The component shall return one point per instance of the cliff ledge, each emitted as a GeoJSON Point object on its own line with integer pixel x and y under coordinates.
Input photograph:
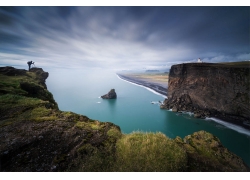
{"type": "Point", "coordinates": [36, 136]}
{"type": "Point", "coordinates": [211, 90]}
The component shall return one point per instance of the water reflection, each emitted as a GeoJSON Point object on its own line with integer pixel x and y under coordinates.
{"type": "Point", "coordinates": [111, 103]}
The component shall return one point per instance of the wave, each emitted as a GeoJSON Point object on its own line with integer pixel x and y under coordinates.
{"type": "Point", "coordinates": [149, 89]}
{"type": "Point", "coordinates": [234, 127]}
{"type": "Point", "coordinates": [230, 126]}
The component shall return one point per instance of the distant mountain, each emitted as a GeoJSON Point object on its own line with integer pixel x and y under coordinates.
{"type": "Point", "coordinates": [152, 70]}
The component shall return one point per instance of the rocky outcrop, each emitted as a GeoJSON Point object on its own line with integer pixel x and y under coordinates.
{"type": "Point", "coordinates": [217, 90]}
{"type": "Point", "coordinates": [206, 153]}
{"type": "Point", "coordinates": [41, 76]}
{"type": "Point", "coordinates": [111, 95]}
{"type": "Point", "coordinates": [37, 136]}
{"type": "Point", "coordinates": [11, 71]}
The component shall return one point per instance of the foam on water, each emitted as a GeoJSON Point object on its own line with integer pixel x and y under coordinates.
{"type": "Point", "coordinates": [234, 127]}
{"type": "Point", "coordinates": [231, 126]}
{"type": "Point", "coordinates": [151, 90]}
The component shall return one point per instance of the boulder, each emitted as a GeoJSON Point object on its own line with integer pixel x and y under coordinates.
{"type": "Point", "coordinates": [111, 95]}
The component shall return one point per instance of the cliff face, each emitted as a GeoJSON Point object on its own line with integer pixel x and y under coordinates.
{"type": "Point", "coordinates": [218, 90]}
{"type": "Point", "coordinates": [36, 136]}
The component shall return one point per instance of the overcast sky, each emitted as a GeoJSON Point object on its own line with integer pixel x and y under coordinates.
{"type": "Point", "coordinates": [122, 37]}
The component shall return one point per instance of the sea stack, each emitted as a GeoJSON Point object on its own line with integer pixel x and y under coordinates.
{"type": "Point", "coordinates": [111, 95]}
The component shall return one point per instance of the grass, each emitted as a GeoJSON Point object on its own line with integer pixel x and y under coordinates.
{"type": "Point", "coordinates": [92, 125]}
{"type": "Point", "coordinates": [135, 152]}
{"type": "Point", "coordinates": [42, 114]}
{"type": "Point", "coordinates": [138, 151]}
{"type": "Point", "coordinates": [237, 64]}
{"type": "Point", "coordinates": [149, 152]}
{"type": "Point", "coordinates": [12, 100]}
{"type": "Point", "coordinates": [11, 84]}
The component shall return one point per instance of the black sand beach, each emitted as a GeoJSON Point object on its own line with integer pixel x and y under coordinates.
{"type": "Point", "coordinates": [156, 86]}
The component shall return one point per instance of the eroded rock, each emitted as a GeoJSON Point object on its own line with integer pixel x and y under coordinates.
{"type": "Point", "coordinates": [210, 89]}
{"type": "Point", "coordinates": [111, 95]}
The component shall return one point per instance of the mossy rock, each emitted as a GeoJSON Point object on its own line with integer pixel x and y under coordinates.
{"type": "Point", "coordinates": [206, 153]}
{"type": "Point", "coordinates": [149, 152]}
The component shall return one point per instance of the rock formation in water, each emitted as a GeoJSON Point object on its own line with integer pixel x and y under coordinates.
{"type": "Point", "coordinates": [211, 90]}
{"type": "Point", "coordinates": [111, 95]}
{"type": "Point", "coordinates": [37, 136]}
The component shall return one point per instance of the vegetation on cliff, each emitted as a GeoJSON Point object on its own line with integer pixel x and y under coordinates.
{"type": "Point", "coordinates": [37, 136]}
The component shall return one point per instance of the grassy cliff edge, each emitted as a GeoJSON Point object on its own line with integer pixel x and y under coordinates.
{"type": "Point", "coordinates": [37, 136]}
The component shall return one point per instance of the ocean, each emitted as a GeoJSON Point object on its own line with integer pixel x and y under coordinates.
{"type": "Point", "coordinates": [136, 108]}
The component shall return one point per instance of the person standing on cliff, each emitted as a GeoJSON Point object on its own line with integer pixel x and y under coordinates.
{"type": "Point", "coordinates": [29, 64]}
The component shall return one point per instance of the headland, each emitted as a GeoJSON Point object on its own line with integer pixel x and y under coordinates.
{"type": "Point", "coordinates": [37, 136]}
{"type": "Point", "coordinates": [220, 90]}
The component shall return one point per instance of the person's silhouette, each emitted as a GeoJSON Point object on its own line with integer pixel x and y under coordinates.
{"type": "Point", "coordinates": [29, 63]}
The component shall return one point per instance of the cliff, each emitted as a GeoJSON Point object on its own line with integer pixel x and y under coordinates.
{"type": "Point", "coordinates": [211, 90]}
{"type": "Point", "coordinates": [36, 136]}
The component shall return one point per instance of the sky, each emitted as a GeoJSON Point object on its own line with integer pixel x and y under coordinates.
{"type": "Point", "coordinates": [121, 37]}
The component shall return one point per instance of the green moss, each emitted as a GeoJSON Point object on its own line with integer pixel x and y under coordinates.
{"type": "Point", "coordinates": [12, 100]}
{"type": "Point", "coordinates": [113, 135]}
{"type": "Point", "coordinates": [206, 153]}
{"type": "Point", "coordinates": [96, 125]}
{"type": "Point", "coordinates": [6, 122]}
{"type": "Point", "coordinates": [87, 149]}
{"type": "Point", "coordinates": [11, 84]}
{"type": "Point", "coordinates": [25, 85]}
{"type": "Point", "coordinates": [82, 125]}
{"type": "Point", "coordinates": [114, 132]}
{"type": "Point", "coordinates": [149, 152]}
{"type": "Point", "coordinates": [60, 158]}
{"type": "Point", "coordinates": [67, 113]}
{"type": "Point", "coordinates": [91, 125]}
{"type": "Point", "coordinates": [42, 114]}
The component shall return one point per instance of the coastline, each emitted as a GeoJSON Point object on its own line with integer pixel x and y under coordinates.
{"type": "Point", "coordinates": [157, 87]}
{"type": "Point", "coordinates": [244, 129]}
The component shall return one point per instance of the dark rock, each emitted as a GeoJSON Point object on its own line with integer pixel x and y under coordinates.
{"type": "Point", "coordinates": [41, 75]}
{"type": "Point", "coordinates": [11, 71]}
{"type": "Point", "coordinates": [174, 109]}
{"type": "Point", "coordinates": [111, 95]}
{"type": "Point", "coordinates": [197, 115]}
{"type": "Point", "coordinates": [203, 148]}
{"type": "Point", "coordinates": [212, 89]}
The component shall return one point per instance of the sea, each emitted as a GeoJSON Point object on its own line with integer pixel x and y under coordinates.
{"type": "Point", "coordinates": [136, 108]}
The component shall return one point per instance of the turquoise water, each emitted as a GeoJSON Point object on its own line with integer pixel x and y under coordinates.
{"type": "Point", "coordinates": [79, 91]}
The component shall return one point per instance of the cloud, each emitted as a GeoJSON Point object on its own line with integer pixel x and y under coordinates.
{"type": "Point", "coordinates": [120, 37]}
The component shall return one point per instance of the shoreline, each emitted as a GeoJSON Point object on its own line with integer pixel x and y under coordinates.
{"type": "Point", "coordinates": [153, 86]}
{"type": "Point", "coordinates": [234, 125]}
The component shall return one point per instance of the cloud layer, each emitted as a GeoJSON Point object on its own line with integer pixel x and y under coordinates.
{"type": "Point", "coordinates": [122, 37]}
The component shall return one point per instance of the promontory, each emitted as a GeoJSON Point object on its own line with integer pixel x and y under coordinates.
{"type": "Point", "coordinates": [220, 90]}
{"type": "Point", "coordinates": [37, 136]}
